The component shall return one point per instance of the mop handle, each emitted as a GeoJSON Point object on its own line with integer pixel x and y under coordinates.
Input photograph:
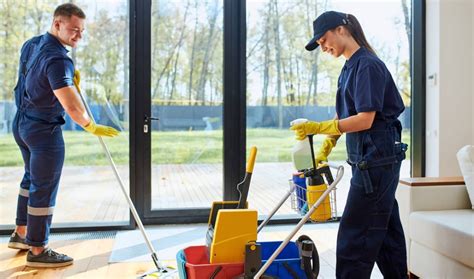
{"type": "Point", "coordinates": [117, 175]}
{"type": "Point", "coordinates": [276, 208]}
{"type": "Point", "coordinates": [340, 173]}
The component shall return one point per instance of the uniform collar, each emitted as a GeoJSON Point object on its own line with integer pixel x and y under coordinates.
{"type": "Point", "coordinates": [355, 57]}
{"type": "Point", "coordinates": [50, 39]}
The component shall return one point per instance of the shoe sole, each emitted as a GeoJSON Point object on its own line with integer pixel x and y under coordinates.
{"type": "Point", "coordinates": [38, 264]}
{"type": "Point", "coordinates": [17, 245]}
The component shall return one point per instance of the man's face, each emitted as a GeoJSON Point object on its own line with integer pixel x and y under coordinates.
{"type": "Point", "coordinates": [69, 30]}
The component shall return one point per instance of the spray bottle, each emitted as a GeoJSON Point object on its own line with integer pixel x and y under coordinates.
{"type": "Point", "coordinates": [317, 186]}
{"type": "Point", "coordinates": [315, 181]}
{"type": "Point", "coordinates": [301, 152]}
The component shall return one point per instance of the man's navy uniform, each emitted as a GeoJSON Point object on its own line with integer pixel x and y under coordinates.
{"type": "Point", "coordinates": [370, 229]}
{"type": "Point", "coordinates": [44, 67]}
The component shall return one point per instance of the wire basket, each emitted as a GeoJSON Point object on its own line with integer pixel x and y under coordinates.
{"type": "Point", "coordinates": [326, 211]}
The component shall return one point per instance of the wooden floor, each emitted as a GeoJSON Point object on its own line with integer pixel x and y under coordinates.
{"type": "Point", "coordinates": [91, 256]}
{"type": "Point", "coordinates": [91, 261]}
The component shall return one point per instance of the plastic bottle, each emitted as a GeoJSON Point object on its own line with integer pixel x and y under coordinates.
{"type": "Point", "coordinates": [315, 189]}
{"type": "Point", "coordinates": [300, 181]}
{"type": "Point", "coordinates": [301, 155]}
{"type": "Point", "coordinates": [301, 152]}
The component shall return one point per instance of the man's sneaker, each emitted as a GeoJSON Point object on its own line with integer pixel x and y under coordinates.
{"type": "Point", "coordinates": [16, 242]}
{"type": "Point", "coordinates": [48, 258]}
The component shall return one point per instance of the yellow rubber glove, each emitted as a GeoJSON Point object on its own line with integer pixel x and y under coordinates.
{"type": "Point", "coordinates": [95, 129]}
{"type": "Point", "coordinates": [329, 127]}
{"type": "Point", "coordinates": [325, 149]}
{"type": "Point", "coordinates": [100, 130]}
{"type": "Point", "coordinates": [77, 80]}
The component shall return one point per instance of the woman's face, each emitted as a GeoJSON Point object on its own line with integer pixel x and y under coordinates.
{"type": "Point", "coordinates": [333, 42]}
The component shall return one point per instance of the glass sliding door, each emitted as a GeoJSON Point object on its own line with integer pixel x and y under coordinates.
{"type": "Point", "coordinates": [285, 82]}
{"type": "Point", "coordinates": [89, 194]}
{"type": "Point", "coordinates": [186, 97]}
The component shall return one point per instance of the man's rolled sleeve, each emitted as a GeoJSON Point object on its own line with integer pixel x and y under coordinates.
{"type": "Point", "coordinates": [60, 73]}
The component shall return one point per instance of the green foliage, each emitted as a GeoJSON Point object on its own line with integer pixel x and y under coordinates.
{"type": "Point", "coordinates": [187, 52]}
{"type": "Point", "coordinates": [183, 147]}
{"type": "Point", "coordinates": [20, 20]}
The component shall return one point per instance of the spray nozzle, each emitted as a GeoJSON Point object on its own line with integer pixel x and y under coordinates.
{"type": "Point", "coordinates": [318, 173]}
{"type": "Point", "coordinates": [298, 121]}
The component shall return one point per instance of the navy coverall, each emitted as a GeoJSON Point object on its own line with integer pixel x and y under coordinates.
{"type": "Point", "coordinates": [44, 67]}
{"type": "Point", "coordinates": [370, 230]}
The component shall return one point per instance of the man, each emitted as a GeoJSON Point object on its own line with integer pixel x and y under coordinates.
{"type": "Point", "coordinates": [44, 91]}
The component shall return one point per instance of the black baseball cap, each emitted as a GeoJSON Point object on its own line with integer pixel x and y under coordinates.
{"type": "Point", "coordinates": [325, 22]}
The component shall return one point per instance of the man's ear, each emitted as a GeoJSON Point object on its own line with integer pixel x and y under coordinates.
{"type": "Point", "coordinates": [56, 22]}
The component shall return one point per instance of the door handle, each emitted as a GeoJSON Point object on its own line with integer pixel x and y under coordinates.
{"type": "Point", "coordinates": [147, 120]}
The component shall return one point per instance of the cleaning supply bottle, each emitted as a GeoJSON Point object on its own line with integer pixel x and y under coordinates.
{"type": "Point", "coordinates": [301, 152]}
{"type": "Point", "coordinates": [315, 188]}
{"type": "Point", "coordinates": [301, 155]}
{"type": "Point", "coordinates": [300, 181]}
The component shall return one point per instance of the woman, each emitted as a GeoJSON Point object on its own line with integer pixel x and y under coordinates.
{"type": "Point", "coordinates": [367, 107]}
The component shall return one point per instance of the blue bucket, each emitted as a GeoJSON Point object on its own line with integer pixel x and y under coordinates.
{"type": "Point", "coordinates": [289, 258]}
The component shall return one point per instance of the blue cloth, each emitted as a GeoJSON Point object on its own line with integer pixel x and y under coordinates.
{"type": "Point", "coordinates": [364, 85]}
{"type": "Point", "coordinates": [42, 149]}
{"type": "Point", "coordinates": [44, 67]}
{"type": "Point", "coordinates": [370, 230]}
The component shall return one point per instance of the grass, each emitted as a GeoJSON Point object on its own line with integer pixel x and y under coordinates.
{"type": "Point", "coordinates": [174, 147]}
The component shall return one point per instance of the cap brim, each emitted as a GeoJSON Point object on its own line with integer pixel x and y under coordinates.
{"type": "Point", "coordinates": [312, 45]}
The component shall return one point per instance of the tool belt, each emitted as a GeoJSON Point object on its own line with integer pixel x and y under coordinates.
{"type": "Point", "coordinates": [365, 164]}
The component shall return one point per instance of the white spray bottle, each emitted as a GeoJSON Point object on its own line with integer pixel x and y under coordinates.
{"type": "Point", "coordinates": [301, 152]}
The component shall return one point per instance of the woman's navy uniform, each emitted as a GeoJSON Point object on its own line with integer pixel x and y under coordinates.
{"type": "Point", "coordinates": [44, 67]}
{"type": "Point", "coordinates": [370, 229]}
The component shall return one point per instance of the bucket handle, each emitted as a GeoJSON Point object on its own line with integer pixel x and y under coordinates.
{"type": "Point", "coordinates": [216, 271]}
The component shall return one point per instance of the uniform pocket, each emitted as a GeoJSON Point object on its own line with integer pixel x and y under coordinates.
{"type": "Point", "coordinates": [378, 144]}
{"type": "Point", "coordinates": [40, 134]}
{"type": "Point", "coordinates": [380, 178]}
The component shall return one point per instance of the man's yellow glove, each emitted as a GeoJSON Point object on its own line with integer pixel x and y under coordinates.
{"type": "Point", "coordinates": [304, 128]}
{"type": "Point", "coordinates": [95, 129]}
{"type": "Point", "coordinates": [100, 130]}
{"type": "Point", "coordinates": [325, 149]}
{"type": "Point", "coordinates": [77, 80]}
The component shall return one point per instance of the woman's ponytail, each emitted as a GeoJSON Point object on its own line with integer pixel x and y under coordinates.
{"type": "Point", "coordinates": [354, 27]}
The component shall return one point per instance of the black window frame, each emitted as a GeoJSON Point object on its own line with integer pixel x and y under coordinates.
{"type": "Point", "coordinates": [234, 113]}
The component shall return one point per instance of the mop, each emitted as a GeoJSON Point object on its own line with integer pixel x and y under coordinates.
{"type": "Point", "coordinates": [161, 270]}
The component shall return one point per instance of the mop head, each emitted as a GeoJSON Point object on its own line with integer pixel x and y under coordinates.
{"type": "Point", "coordinates": [167, 272]}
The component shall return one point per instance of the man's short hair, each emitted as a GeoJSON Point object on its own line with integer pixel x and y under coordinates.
{"type": "Point", "coordinates": [68, 10]}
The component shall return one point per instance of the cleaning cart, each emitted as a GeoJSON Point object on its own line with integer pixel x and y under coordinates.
{"type": "Point", "coordinates": [232, 249]}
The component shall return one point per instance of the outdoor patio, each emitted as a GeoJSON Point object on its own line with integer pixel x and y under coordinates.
{"type": "Point", "coordinates": [92, 194]}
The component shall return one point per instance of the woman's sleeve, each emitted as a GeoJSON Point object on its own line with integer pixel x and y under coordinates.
{"type": "Point", "coordinates": [369, 89]}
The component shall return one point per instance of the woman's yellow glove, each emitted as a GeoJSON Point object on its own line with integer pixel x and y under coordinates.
{"type": "Point", "coordinates": [77, 80]}
{"type": "Point", "coordinates": [304, 128]}
{"type": "Point", "coordinates": [100, 130]}
{"type": "Point", "coordinates": [325, 149]}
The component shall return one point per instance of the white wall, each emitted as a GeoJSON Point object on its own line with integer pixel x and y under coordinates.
{"type": "Point", "coordinates": [449, 94]}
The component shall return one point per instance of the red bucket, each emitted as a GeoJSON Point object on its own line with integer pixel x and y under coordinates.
{"type": "Point", "coordinates": [198, 266]}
